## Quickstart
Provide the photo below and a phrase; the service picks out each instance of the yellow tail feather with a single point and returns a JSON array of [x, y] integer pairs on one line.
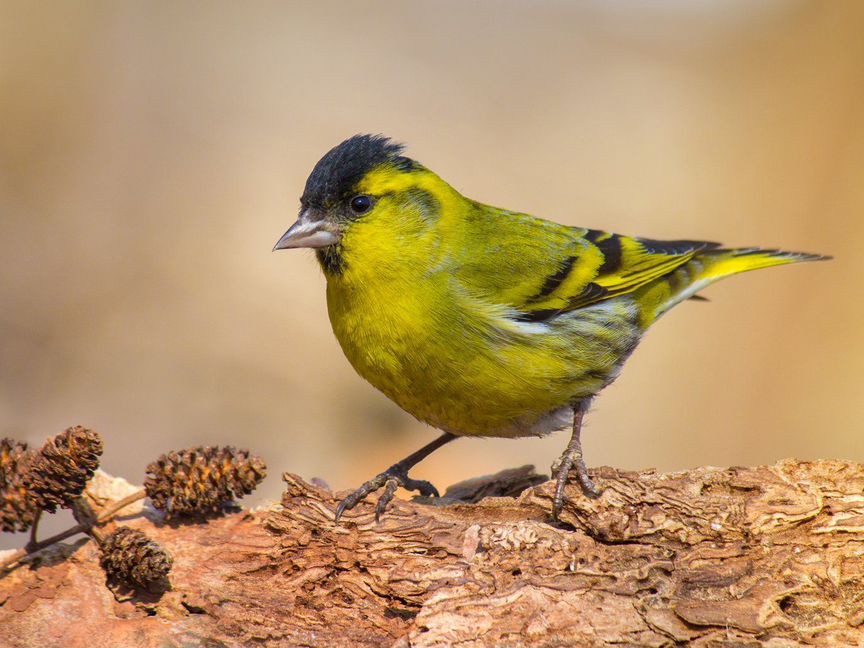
[[706, 268]]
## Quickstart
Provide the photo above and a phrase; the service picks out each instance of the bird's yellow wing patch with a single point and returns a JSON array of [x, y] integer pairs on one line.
[[630, 263], [541, 269], [627, 264]]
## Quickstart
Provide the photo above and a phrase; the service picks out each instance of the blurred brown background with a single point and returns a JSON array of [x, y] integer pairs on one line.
[[151, 153]]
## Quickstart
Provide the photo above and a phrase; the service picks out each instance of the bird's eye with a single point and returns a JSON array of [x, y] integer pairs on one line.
[[361, 204]]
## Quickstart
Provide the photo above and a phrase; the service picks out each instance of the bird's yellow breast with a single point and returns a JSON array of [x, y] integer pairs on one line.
[[388, 308]]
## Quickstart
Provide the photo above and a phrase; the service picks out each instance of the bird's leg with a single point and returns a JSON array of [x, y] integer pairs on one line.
[[572, 458], [394, 477]]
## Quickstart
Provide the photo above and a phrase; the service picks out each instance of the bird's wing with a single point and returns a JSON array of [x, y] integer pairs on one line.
[[542, 269]]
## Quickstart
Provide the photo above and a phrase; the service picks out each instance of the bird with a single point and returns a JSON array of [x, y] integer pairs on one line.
[[480, 321]]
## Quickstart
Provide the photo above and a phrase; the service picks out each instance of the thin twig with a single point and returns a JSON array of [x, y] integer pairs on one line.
[[85, 515], [109, 512], [34, 529], [104, 516]]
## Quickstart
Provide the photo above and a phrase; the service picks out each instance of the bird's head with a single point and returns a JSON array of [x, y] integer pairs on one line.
[[363, 200], [363, 178]]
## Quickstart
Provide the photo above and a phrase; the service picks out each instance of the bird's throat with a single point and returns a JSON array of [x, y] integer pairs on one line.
[[331, 260]]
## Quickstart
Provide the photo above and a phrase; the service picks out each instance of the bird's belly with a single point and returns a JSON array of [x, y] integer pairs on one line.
[[459, 372]]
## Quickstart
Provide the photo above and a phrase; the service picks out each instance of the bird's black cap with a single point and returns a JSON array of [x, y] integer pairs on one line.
[[334, 177]]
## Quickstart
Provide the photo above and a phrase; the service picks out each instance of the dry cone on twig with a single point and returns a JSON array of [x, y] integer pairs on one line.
[[202, 481], [128, 556], [17, 508], [61, 468]]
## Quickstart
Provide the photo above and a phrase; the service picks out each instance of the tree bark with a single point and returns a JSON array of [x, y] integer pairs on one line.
[[766, 556]]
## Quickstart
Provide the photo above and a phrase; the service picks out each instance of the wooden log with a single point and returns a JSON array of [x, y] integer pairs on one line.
[[765, 556]]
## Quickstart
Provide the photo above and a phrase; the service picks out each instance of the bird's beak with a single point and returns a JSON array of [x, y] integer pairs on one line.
[[311, 230]]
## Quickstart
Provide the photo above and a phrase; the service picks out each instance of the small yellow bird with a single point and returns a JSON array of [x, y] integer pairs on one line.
[[481, 321]]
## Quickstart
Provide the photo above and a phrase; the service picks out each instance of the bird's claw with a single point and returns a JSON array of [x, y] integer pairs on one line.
[[563, 467], [391, 479]]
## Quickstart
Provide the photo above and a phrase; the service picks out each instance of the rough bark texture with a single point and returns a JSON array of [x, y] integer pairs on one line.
[[710, 557]]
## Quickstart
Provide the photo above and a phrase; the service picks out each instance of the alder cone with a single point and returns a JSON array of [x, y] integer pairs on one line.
[[62, 466], [201, 481], [17, 508], [131, 557]]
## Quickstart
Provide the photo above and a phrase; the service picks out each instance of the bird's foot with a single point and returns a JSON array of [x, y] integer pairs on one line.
[[570, 460], [391, 479]]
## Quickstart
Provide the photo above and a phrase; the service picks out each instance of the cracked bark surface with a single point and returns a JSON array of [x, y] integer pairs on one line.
[[765, 556]]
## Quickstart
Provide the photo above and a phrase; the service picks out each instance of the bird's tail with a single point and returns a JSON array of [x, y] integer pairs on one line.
[[704, 269]]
